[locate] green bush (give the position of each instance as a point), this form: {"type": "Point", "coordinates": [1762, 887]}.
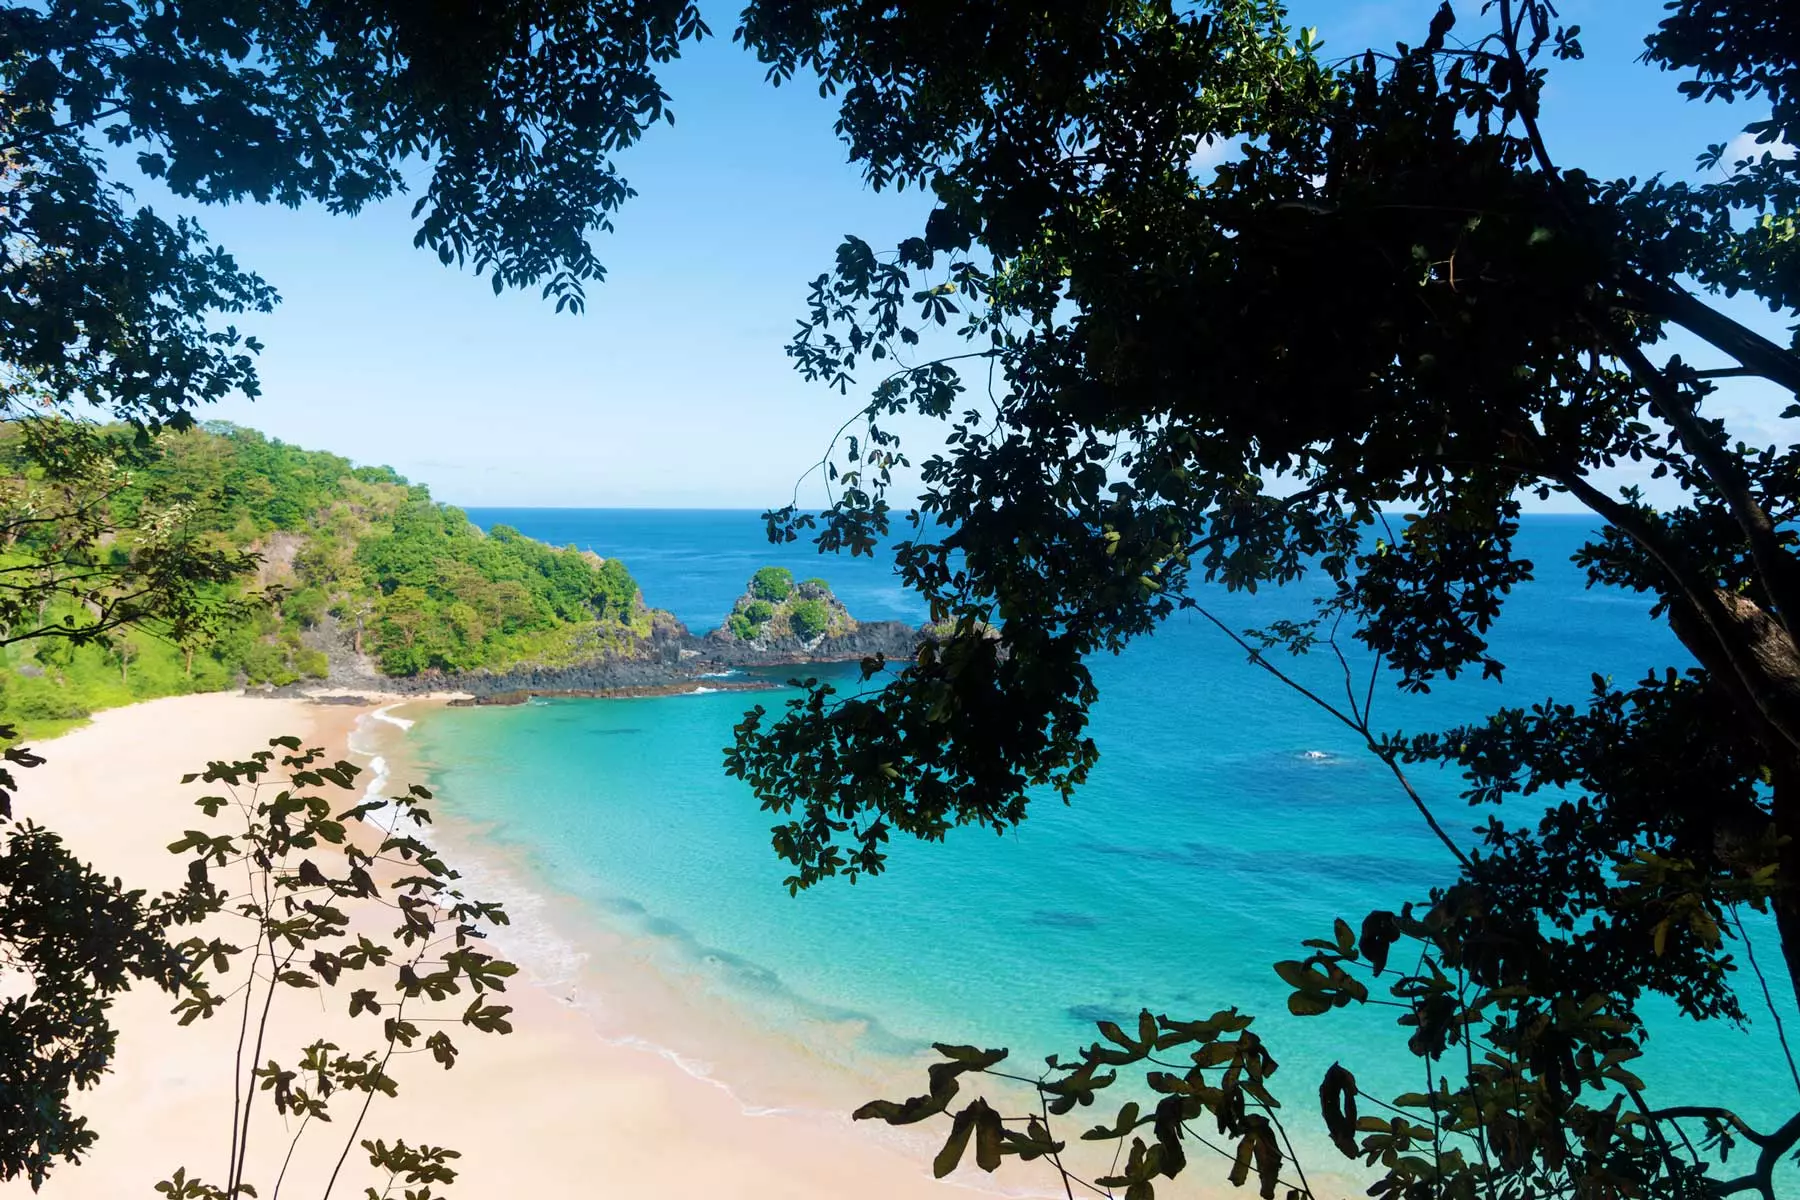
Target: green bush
{"type": "Point", "coordinates": [809, 618]}
{"type": "Point", "coordinates": [40, 699]}
{"type": "Point", "coordinates": [815, 585]}
{"type": "Point", "coordinates": [399, 659]}
{"type": "Point", "coordinates": [740, 627]}
{"type": "Point", "coordinates": [305, 607]}
{"type": "Point", "coordinates": [758, 612]}
{"type": "Point", "coordinates": [774, 584]}
{"type": "Point", "coordinates": [266, 663]}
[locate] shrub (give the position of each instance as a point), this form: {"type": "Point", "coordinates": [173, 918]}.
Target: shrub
{"type": "Point", "coordinates": [305, 607]}
{"type": "Point", "coordinates": [740, 627]}
{"type": "Point", "coordinates": [772, 583]}
{"type": "Point", "coordinates": [401, 659]}
{"type": "Point", "coordinates": [809, 618]}
{"type": "Point", "coordinates": [39, 698]}
{"type": "Point", "coordinates": [758, 612]}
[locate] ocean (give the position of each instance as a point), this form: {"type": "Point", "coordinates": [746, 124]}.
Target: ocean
{"type": "Point", "coordinates": [1227, 821]}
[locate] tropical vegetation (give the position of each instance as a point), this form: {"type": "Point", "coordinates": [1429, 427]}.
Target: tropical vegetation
{"type": "Point", "coordinates": [108, 306]}
{"type": "Point", "coordinates": [314, 553]}
{"type": "Point", "coordinates": [1252, 310]}
{"type": "Point", "coordinates": [774, 606]}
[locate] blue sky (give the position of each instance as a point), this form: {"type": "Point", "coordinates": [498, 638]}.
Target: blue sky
{"type": "Point", "coordinates": [672, 389]}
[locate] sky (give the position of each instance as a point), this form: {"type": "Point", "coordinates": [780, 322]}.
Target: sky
{"type": "Point", "coordinates": [672, 389]}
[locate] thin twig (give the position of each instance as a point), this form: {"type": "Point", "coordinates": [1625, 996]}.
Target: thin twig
{"type": "Point", "coordinates": [1768, 999]}
{"type": "Point", "coordinates": [1257, 657]}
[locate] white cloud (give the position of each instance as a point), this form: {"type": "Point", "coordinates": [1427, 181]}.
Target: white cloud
{"type": "Point", "coordinates": [1745, 145]}
{"type": "Point", "coordinates": [1212, 152]}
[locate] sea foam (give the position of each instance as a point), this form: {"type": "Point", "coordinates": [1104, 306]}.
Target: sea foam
{"type": "Point", "coordinates": [548, 959]}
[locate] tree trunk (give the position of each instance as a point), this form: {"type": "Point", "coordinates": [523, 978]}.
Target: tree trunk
{"type": "Point", "coordinates": [1760, 676]}
{"type": "Point", "coordinates": [1787, 893]}
{"type": "Point", "coordinates": [189, 665]}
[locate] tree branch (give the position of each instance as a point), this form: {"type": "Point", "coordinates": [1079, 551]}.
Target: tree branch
{"type": "Point", "coordinates": [1701, 599]}
{"type": "Point", "coordinates": [1775, 568]}
{"type": "Point", "coordinates": [1759, 356]}
{"type": "Point", "coordinates": [1257, 657]}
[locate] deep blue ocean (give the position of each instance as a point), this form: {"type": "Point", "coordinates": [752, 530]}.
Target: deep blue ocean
{"type": "Point", "coordinates": [1228, 820]}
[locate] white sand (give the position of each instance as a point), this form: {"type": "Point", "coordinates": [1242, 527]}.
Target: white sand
{"type": "Point", "coordinates": [551, 1110]}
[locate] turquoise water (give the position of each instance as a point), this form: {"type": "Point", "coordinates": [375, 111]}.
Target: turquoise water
{"type": "Point", "coordinates": [1227, 821]}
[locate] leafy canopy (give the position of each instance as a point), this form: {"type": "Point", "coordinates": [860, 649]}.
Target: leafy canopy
{"type": "Point", "coordinates": [516, 110]}
{"type": "Point", "coordinates": [191, 560]}
{"type": "Point", "coordinates": [512, 113]}
{"type": "Point", "coordinates": [1252, 309]}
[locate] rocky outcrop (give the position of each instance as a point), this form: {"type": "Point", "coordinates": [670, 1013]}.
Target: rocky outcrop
{"type": "Point", "coordinates": [670, 659]}
{"type": "Point", "coordinates": [889, 639]}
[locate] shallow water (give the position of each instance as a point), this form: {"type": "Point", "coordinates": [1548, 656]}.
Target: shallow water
{"type": "Point", "coordinates": [1227, 821]}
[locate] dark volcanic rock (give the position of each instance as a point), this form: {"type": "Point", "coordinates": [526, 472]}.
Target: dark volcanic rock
{"type": "Point", "coordinates": [675, 660]}
{"type": "Point", "coordinates": [892, 639]}
{"type": "Point", "coordinates": [670, 660]}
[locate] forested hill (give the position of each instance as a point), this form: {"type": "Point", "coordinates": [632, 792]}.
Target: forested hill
{"type": "Point", "coordinates": [332, 556]}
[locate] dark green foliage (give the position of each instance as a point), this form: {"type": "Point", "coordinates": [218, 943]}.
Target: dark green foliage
{"type": "Point", "coordinates": [451, 599]}
{"type": "Point", "coordinates": [82, 939]}
{"type": "Point", "coordinates": [808, 618]}
{"type": "Point", "coordinates": [122, 580]}
{"type": "Point", "coordinates": [294, 102]}
{"type": "Point", "coordinates": [166, 533]}
{"type": "Point", "coordinates": [310, 867]}
{"type": "Point", "coordinates": [1348, 350]}
{"type": "Point", "coordinates": [73, 570]}
{"type": "Point", "coordinates": [741, 626]}
{"type": "Point", "coordinates": [758, 612]}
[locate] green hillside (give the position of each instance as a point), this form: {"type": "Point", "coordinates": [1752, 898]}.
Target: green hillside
{"type": "Point", "coordinates": [346, 556]}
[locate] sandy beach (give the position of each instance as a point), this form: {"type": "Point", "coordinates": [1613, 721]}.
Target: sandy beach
{"type": "Point", "coordinates": [550, 1110]}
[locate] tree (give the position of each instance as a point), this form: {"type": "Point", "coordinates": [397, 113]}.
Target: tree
{"type": "Point", "coordinates": [518, 108]}
{"type": "Point", "coordinates": [1349, 348]}
{"type": "Point", "coordinates": [358, 611]}
{"type": "Point", "coordinates": [314, 884]}
{"type": "Point", "coordinates": [80, 938]}
{"type": "Point", "coordinates": [71, 573]}
{"type": "Point", "coordinates": [123, 651]}
{"type": "Point", "coordinates": [291, 103]}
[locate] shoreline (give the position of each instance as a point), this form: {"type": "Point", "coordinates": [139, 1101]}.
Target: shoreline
{"type": "Point", "coordinates": [693, 687]}
{"type": "Point", "coordinates": [671, 658]}
{"type": "Point", "coordinates": [554, 1108]}
{"type": "Point", "coordinates": [628, 983]}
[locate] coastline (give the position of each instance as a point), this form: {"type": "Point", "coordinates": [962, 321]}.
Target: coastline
{"type": "Point", "coordinates": [626, 983]}
{"type": "Point", "coordinates": [669, 662]}
{"type": "Point", "coordinates": [553, 1108]}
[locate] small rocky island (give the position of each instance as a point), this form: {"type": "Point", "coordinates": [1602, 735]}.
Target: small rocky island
{"type": "Point", "coordinates": [777, 621]}
{"type": "Point", "coordinates": [774, 610]}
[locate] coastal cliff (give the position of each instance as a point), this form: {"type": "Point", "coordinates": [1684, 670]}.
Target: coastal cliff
{"type": "Point", "coordinates": [302, 573]}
